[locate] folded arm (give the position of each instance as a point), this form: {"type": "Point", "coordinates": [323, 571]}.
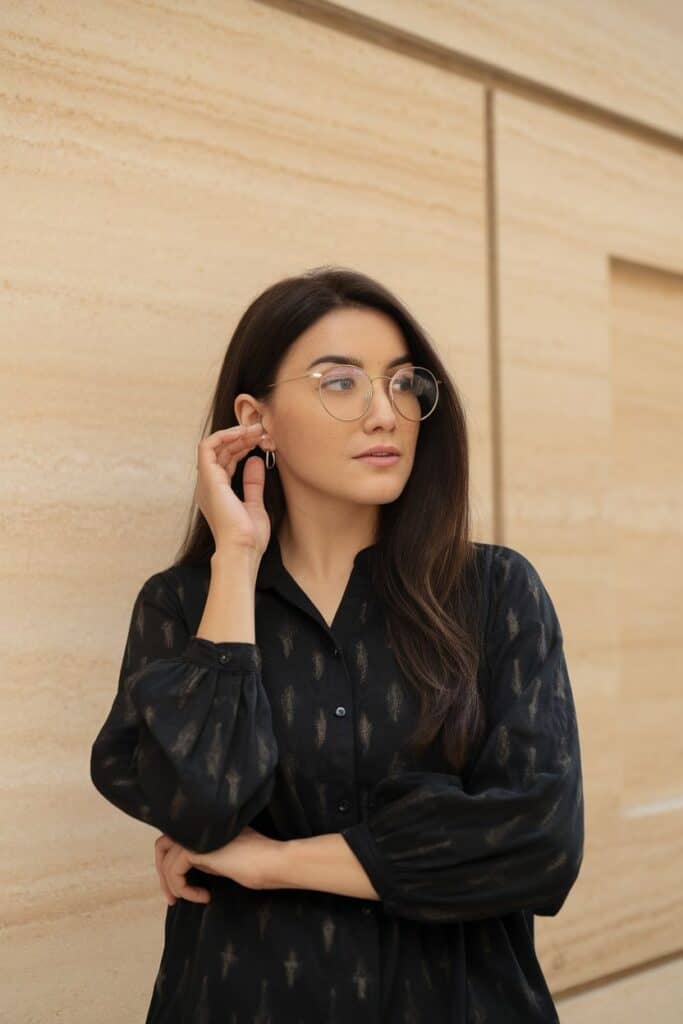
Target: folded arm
{"type": "Point", "coordinates": [435, 849]}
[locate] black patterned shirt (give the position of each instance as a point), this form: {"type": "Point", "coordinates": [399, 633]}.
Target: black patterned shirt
{"type": "Point", "coordinates": [303, 733]}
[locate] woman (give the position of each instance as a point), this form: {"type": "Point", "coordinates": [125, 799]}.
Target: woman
{"type": "Point", "coordinates": [352, 724]}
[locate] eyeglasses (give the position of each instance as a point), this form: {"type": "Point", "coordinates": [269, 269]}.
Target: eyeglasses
{"type": "Point", "coordinates": [346, 391]}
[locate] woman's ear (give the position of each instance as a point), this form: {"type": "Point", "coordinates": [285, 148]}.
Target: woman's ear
{"type": "Point", "coordinates": [246, 410]}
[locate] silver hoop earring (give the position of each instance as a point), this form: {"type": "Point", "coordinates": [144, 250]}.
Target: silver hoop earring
{"type": "Point", "coordinates": [270, 465]}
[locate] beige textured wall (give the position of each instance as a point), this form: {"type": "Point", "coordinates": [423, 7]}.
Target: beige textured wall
{"type": "Point", "coordinates": [161, 165]}
{"type": "Point", "coordinates": [617, 56]}
{"type": "Point", "coordinates": [590, 274]}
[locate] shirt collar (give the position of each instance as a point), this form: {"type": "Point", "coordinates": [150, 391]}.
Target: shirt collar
{"type": "Point", "coordinates": [272, 570]}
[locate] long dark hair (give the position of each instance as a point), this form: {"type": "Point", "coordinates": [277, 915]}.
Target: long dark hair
{"type": "Point", "coordinates": [424, 562]}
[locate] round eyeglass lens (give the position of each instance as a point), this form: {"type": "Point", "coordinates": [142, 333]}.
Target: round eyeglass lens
{"type": "Point", "coordinates": [346, 392]}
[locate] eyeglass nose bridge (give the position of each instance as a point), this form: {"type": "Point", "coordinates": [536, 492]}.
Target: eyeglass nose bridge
{"type": "Point", "coordinates": [387, 389]}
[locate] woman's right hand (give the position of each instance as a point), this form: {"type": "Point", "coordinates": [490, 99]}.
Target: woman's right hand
{"type": "Point", "coordinates": [234, 523]}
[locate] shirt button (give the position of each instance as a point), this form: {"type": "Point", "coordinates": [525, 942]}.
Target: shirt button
{"type": "Point", "coordinates": [366, 909]}
{"type": "Point", "coordinates": [336, 652]}
{"type": "Point", "coordinates": [223, 657]}
{"type": "Point", "coordinates": [340, 712]}
{"type": "Point", "coordinates": [344, 805]}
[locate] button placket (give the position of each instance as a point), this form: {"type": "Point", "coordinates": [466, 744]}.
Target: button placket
{"type": "Point", "coordinates": [344, 803]}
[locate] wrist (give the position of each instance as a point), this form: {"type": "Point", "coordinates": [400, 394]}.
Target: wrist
{"type": "Point", "coordinates": [279, 871]}
{"type": "Point", "coordinates": [234, 562]}
{"type": "Point", "coordinates": [229, 554]}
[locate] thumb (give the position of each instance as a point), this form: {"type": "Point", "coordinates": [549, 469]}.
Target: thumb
{"type": "Point", "coordinates": [253, 479]}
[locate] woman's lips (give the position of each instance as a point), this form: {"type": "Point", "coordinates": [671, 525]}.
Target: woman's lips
{"type": "Point", "coordinates": [378, 460]}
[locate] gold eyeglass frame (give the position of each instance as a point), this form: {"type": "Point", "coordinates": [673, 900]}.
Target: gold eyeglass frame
{"type": "Point", "coordinates": [401, 369]}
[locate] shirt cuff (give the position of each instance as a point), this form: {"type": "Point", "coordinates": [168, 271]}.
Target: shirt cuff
{"type": "Point", "coordinates": [362, 842]}
{"type": "Point", "coordinates": [234, 655]}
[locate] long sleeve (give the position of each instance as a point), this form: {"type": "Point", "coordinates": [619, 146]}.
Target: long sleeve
{"type": "Point", "coordinates": [188, 744]}
{"type": "Point", "coordinates": [511, 839]}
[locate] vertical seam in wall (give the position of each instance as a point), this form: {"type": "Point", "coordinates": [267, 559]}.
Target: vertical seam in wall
{"type": "Point", "coordinates": [493, 305]}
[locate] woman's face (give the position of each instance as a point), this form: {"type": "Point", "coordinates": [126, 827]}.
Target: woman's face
{"type": "Point", "coordinates": [319, 452]}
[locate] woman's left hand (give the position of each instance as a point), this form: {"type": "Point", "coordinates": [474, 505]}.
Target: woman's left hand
{"type": "Point", "coordinates": [248, 859]}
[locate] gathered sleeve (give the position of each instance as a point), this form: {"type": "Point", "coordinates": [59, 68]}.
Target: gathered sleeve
{"type": "Point", "coordinates": [188, 744]}
{"type": "Point", "coordinates": [511, 838]}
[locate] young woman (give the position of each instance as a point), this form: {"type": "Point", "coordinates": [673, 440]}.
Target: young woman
{"type": "Point", "coordinates": [353, 724]}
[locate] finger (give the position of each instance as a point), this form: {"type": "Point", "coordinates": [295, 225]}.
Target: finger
{"type": "Point", "coordinates": [253, 480]}
{"type": "Point", "coordinates": [161, 848]}
{"type": "Point", "coordinates": [209, 449]}
{"type": "Point", "coordinates": [235, 458]}
{"type": "Point", "coordinates": [229, 435]}
{"type": "Point", "coordinates": [229, 454]}
{"type": "Point", "coordinates": [226, 433]}
{"type": "Point", "coordinates": [175, 875]}
{"type": "Point", "coordinates": [229, 441]}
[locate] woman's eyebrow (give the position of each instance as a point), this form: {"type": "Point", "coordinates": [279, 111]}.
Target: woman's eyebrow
{"type": "Point", "coordinates": [358, 362]}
